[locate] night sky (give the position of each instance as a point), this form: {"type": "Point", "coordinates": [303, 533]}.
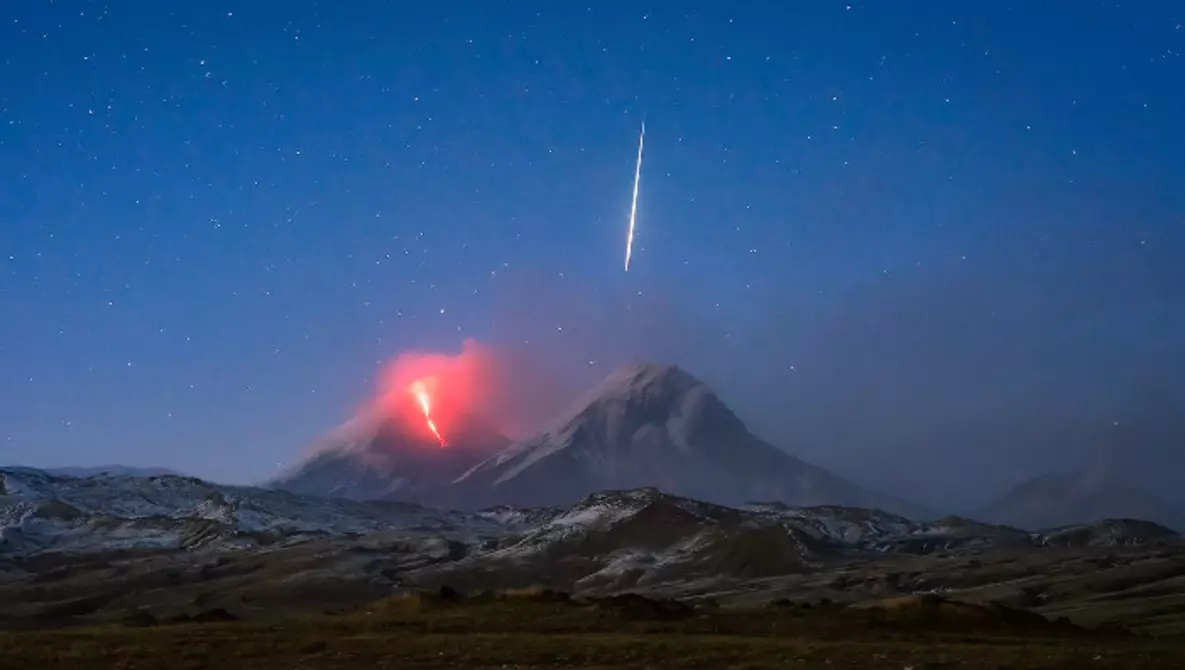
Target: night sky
{"type": "Point", "coordinates": [934, 246]}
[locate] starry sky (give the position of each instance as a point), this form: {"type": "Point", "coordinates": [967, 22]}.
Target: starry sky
{"type": "Point", "coordinates": [934, 246]}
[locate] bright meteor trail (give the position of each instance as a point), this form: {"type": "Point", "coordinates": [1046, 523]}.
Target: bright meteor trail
{"type": "Point", "coordinates": [629, 240]}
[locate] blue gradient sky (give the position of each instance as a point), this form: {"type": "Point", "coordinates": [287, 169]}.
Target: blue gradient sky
{"type": "Point", "coordinates": [935, 246]}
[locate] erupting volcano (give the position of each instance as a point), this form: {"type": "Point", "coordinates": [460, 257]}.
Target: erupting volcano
{"type": "Point", "coordinates": [419, 390]}
{"type": "Point", "coordinates": [645, 425]}
{"type": "Point", "coordinates": [393, 447]}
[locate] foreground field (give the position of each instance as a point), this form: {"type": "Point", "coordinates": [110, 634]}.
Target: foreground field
{"type": "Point", "coordinates": [533, 632]}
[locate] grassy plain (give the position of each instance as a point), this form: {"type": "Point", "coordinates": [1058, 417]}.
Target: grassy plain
{"type": "Point", "coordinates": [533, 630]}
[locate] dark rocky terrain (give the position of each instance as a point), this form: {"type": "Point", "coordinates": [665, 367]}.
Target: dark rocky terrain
{"type": "Point", "coordinates": [74, 551]}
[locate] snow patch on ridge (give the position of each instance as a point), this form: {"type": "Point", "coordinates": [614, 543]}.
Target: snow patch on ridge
{"type": "Point", "coordinates": [42, 512]}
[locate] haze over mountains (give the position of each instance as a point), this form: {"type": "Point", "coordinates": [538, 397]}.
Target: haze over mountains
{"type": "Point", "coordinates": [655, 425]}
{"type": "Point", "coordinates": [649, 484]}
{"type": "Point", "coordinates": [646, 425]}
{"type": "Point", "coordinates": [1053, 500]}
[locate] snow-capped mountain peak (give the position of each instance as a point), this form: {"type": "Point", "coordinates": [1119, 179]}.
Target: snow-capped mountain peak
{"type": "Point", "coordinates": [650, 425]}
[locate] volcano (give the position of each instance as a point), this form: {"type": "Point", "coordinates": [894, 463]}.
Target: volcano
{"type": "Point", "coordinates": [392, 453]}
{"type": "Point", "coordinates": [650, 425]}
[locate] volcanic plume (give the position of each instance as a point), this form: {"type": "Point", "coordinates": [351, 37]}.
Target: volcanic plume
{"type": "Point", "coordinates": [443, 388]}
{"type": "Point", "coordinates": [427, 424]}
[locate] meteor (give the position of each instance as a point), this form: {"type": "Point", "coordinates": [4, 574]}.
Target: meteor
{"type": "Point", "coordinates": [420, 391]}
{"type": "Point", "coordinates": [629, 240]}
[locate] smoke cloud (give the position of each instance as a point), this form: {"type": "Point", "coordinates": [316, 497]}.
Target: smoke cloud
{"type": "Point", "coordinates": [502, 389]}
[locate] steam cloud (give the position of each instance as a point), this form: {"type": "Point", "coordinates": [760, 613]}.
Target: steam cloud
{"type": "Point", "coordinates": [503, 389]}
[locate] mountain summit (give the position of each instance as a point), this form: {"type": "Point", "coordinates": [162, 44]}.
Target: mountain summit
{"type": "Point", "coordinates": [650, 425]}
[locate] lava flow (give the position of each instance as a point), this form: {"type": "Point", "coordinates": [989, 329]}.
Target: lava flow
{"type": "Point", "coordinates": [419, 390]}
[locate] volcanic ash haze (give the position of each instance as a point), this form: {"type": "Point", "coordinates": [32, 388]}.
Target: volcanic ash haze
{"type": "Point", "coordinates": [424, 427]}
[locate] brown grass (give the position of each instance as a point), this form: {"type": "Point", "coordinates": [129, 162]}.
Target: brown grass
{"type": "Point", "coordinates": [529, 629]}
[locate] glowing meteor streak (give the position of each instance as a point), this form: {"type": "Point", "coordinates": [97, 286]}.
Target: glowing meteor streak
{"type": "Point", "coordinates": [420, 392]}
{"type": "Point", "coordinates": [629, 240]}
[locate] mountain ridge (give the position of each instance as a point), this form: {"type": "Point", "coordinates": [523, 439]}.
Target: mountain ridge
{"type": "Point", "coordinates": [90, 550]}
{"type": "Point", "coordinates": [41, 511]}
{"type": "Point", "coordinates": [650, 424]}
{"type": "Point", "coordinates": [113, 469]}
{"type": "Point", "coordinates": [1065, 499]}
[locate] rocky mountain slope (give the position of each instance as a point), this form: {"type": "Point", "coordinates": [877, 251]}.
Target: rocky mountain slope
{"type": "Point", "coordinates": [41, 512]}
{"type": "Point", "coordinates": [380, 456]}
{"type": "Point", "coordinates": [651, 425]}
{"type": "Point", "coordinates": [1068, 499]}
{"type": "Point", "coordinates": [46, 513]}
{"type": "Point", "coordinates": [644, 538]}
{"type": "Point", "coordinates": [90, 548]}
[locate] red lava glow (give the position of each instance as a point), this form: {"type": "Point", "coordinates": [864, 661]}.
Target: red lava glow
{"type": "Point", "coordinates": [436, 395]}
{"type": "Point", "coordinates": [446, 398]}
{"type": "Point", "coordinates": [419, 391]}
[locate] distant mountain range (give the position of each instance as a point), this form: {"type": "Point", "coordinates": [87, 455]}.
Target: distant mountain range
{"type": "Point", "coordinates": [1054, 500]}
{"type": "Point", "coordinates": [115, 470]}
{"type": "Point", "coordinates": [90, 550]}
{"type": "Point", "coordinates": [644, 426]}
{"type": "Point", "coordinates": [44, 513]}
